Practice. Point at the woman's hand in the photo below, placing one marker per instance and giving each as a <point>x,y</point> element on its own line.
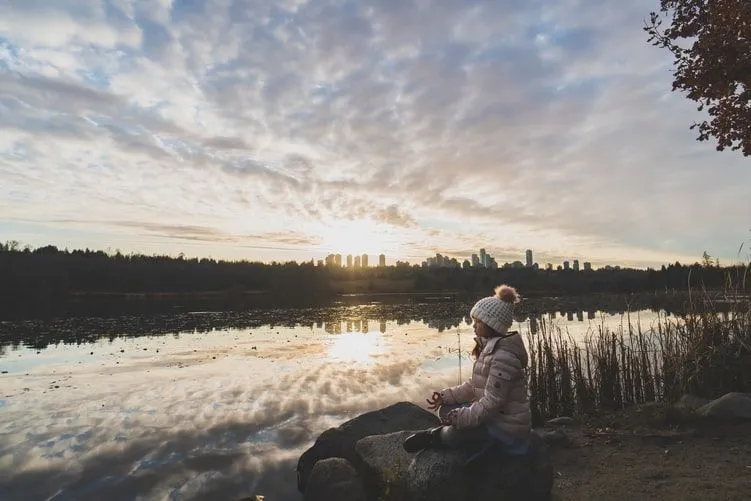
<point>435,401</point>
<point>451,418</point>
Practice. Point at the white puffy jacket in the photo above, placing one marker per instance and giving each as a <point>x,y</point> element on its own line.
<point>497,390</point>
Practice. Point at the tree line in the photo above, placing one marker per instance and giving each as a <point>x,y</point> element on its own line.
<point>34,280</point>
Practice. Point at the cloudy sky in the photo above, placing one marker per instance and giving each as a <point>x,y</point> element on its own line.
<point>290,129</point>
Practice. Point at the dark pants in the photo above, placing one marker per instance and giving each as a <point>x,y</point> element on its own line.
<point>455,438</point>
<point>478,437</point>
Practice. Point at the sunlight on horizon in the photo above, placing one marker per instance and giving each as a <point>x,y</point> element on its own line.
<point>358,237</point>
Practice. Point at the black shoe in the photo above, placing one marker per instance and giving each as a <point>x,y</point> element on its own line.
<point>422,440</point>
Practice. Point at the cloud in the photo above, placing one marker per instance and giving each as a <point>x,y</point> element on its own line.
<point>392,215</point>
<point>551,120</point>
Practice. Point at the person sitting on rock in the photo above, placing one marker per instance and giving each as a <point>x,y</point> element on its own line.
<point>493,405</point>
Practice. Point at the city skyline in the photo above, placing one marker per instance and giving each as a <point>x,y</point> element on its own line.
<point>376,128</point>
<point>481,259</point>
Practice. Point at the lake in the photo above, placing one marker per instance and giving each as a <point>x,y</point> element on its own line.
<point>212,405</point>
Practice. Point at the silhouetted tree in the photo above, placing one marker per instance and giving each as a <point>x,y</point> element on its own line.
<point>711,46</point>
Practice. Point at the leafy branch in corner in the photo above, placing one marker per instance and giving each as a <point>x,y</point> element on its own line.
<point>709,41</point>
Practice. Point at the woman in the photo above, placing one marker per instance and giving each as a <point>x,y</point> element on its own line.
<point>493,404</point>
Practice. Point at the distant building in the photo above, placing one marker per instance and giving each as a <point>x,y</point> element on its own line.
<point>566,265</point>
<point>529,258</point>
<point>338,260</point>
<point>475,261</point>
<point>587,266</point>
<point>320,262</point>
<point>441,261</point>
<point>483,258</point>
<point>357,261</point>
<point>364,261</point>
<point>576,265</point>
<point>330,260</point>
<point>382,260</point>
<point>349,260</point>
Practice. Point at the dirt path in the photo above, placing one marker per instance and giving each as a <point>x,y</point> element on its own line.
<point>696,463</point>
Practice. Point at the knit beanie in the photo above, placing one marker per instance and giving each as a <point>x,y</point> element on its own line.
<point>497,312</point>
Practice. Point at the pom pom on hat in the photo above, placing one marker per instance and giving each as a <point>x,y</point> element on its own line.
<point>507,294</point>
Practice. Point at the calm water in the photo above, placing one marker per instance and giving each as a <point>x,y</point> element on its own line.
<point>212,413</point>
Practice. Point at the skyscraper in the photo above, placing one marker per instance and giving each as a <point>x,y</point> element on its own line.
<point>357,261</point>
<point>364,261</point>
<point>587,266</point>
<point>529,258</point>
<point>475,261</point>
<point>483,258</point>
<point>338,260</point>
<point>576,265</point>
<point>349,260</point>
<point>382,260</point>
<point>565,265</point>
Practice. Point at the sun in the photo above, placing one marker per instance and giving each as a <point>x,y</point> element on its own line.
<point>358,237</point>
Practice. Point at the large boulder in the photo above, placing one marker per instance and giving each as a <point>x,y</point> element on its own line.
<point>340,442</point>
<point>364,459</point>
<point>441,475</point>
<point>729,406</point>
<point>334,478</point>
<point>691,402</point>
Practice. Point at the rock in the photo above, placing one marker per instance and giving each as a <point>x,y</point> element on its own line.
<point>691,402</point>
<point>340,441</point>
<point>442,475</point>
<point>731,405</point>
<point>334,478</point>
<point>562,421</point>
<point>553,437</point>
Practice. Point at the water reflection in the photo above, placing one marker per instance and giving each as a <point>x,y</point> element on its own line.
<point>357,347</point>
<point>221,406</point>
<point>334,320</point>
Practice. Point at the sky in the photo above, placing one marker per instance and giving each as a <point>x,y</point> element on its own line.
<point>291,129</point>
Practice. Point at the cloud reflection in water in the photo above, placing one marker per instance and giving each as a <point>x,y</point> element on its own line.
<point>212,415</point>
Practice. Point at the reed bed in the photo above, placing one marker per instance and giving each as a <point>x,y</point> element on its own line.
<point>701,352</point>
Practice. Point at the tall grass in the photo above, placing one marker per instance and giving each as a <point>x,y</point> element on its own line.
<point>701,352</point>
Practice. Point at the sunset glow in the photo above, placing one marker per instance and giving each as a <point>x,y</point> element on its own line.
<point>289,130</point>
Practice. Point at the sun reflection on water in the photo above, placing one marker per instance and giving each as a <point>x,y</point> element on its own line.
<point>359,347</point>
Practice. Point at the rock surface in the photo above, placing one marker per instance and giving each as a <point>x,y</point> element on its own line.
<point>340,442</point>
<point>363,459</point>
<point>562,421</point>
<point>691,402</point>
<point>553,437</point>
<point>440,475</point>
<point>729,406</point>
<point>334,478</point>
